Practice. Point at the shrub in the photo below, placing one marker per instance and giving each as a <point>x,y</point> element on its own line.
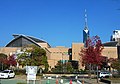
<point>20,71</point>
<point>116,76</point>
<point>83,71</point>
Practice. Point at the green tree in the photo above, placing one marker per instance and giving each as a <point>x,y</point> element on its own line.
<point>2,55</point>
<point>116,65</point>
<point>3,61</point>
<point>44,62</point>
<point>69,67</point>
<point>33,56</point>
<point>63,67</point>
<point>58,68</point>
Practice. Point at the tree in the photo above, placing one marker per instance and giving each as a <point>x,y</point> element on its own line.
<point>115,64</point>
<point>33,56</point>
<point>91,54</point>
<point>58,68</point>
<point>3,61</point>
<point>12,61</point>
<point>44,62</point>
<point>63,67</point>
<point>69,67</point>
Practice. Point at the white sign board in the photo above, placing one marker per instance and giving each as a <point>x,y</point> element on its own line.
<point>31,72</point>
<point>31,76</point>
<point>31,69</point>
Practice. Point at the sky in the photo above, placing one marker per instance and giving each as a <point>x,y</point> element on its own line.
<point>58,22</point>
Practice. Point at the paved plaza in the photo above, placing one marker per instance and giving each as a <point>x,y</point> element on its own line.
<point>22,79</point>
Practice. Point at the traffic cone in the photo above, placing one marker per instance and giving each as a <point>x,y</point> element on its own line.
<point>82,81</point>
<point>70,81</point>
<point>56,81</point>
<point>48,82</point>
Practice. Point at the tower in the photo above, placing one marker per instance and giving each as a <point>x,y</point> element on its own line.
<point>86,30</point>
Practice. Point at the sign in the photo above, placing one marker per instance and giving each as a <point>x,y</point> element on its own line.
<point>31,72</point>
<point>31,76</point>
<point>31,69</point>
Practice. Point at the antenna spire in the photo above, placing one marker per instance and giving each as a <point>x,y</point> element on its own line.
<point>86,30</point>
<point>86,27</point>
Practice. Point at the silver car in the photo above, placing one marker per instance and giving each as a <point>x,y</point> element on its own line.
<point>104,74</point>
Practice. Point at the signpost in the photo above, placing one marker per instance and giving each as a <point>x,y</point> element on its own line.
<point>31,73</point>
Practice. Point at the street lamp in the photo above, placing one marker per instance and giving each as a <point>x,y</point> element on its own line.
<point>62,63</point>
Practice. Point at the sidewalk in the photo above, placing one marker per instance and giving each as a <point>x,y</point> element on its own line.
<point>90,81</point>
<point>86,80</point>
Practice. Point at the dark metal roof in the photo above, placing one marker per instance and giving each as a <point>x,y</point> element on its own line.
<point>111,44</point>
<point>21,36</point>
<point>31,39</point>
<point>36,40</point>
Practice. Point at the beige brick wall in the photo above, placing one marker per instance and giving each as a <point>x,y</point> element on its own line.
<point>59,53</point>
<point>44,45</point>
<point>52,63</point>
<point>8,50</point>
<point>76,48</point>
<point>110,52</point>
<point>56,54</point>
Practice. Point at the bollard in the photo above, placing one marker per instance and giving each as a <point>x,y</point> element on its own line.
<point>48,82</point>
<point>70,81</point>
<point>78,82</point>
<point>82,81</point>
<point>61,81</point>
<point>56,81</point>
<point>76,77</point>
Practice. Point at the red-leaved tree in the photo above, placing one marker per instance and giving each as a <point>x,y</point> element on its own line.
<point>12,60</point>
<point>91,54</point>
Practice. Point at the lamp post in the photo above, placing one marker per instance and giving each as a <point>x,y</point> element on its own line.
<point>2,65</point>
<point>62,63</point>
<point>61,80</point>
<point>61,60</point>
<point>97,75</point>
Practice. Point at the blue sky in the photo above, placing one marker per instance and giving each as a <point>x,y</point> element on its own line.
<point>58,22</point>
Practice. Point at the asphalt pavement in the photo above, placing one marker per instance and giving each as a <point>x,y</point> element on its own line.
<point>22,79</point>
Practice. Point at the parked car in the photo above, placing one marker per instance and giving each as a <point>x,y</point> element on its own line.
<point>7,74</point>
<point>104,74</point>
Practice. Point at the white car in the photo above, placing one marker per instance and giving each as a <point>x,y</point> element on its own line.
<point>104,74</point>
<point>7,74</point>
